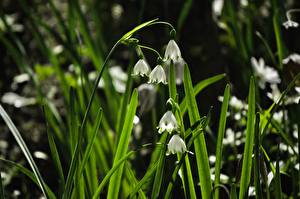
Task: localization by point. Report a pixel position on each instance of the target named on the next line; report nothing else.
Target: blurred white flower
(17, 100)
(244, 3)
(229, 137)
(116, 11)
(119, 78)
(292, 57)
(290, 24)
(297, 89)
(264, 73)
(172, 51)
(141, 68)
(167, 123)
(176, 145)
(275, 95)
(158, 75)
(234, 102)
(217, 7)
(147, 97)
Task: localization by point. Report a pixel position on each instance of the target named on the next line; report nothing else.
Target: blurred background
(214, 37)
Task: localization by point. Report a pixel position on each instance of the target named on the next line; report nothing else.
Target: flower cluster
(158, 74)
(168, 123)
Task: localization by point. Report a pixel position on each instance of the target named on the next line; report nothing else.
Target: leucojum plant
(181, 131)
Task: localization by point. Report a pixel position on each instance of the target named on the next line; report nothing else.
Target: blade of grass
(160, 168)
(183, 15)
(24, 149)
(110, 173)
(90, 145)
(199, 87)
(257, 183)
(200, 145)
(248, 150)
(221, 131)
(54, 152)
(279, 43)
(29, 174)
(187, 179)
(233, 194)
(149, 173)
(115, 181)
(278, 190)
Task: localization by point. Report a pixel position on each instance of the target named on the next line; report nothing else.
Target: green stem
(151, 49)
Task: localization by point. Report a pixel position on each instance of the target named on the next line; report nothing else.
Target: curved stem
(151, 49)
(288, 13)
(163, 22)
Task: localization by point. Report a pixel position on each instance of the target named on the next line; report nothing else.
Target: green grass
(95, 147)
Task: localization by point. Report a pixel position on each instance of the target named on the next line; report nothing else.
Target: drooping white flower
(167, 123)
(264, 73)
(290, 24)
(158, 75)
(292, 57)
(172, 51)
(141, 68)
(176, 145)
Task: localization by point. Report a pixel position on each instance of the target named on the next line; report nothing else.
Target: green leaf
(160, 168)
(149, 173)
(247, 156)
(221, 131)
(115, 181)
(137, 28)
(200, 145)
(24, 149)
(183, 14)
(278, 190)
(109, 174)
(29, 174)
(233, 194)
(54, 152)
(257, 182)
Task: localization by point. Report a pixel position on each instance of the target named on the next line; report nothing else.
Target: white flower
(275, 95)
(167, 123)
(141, 68)
(172, 51)
(290, 24)
(157, 75)
(292, 57)
(264, 73)
(176, 144)
(217, 7)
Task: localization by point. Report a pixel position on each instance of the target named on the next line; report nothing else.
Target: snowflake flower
(141, 68)
(172, 51)
(167, 123)
(290, 24)
(158, 75)
(176, 145)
